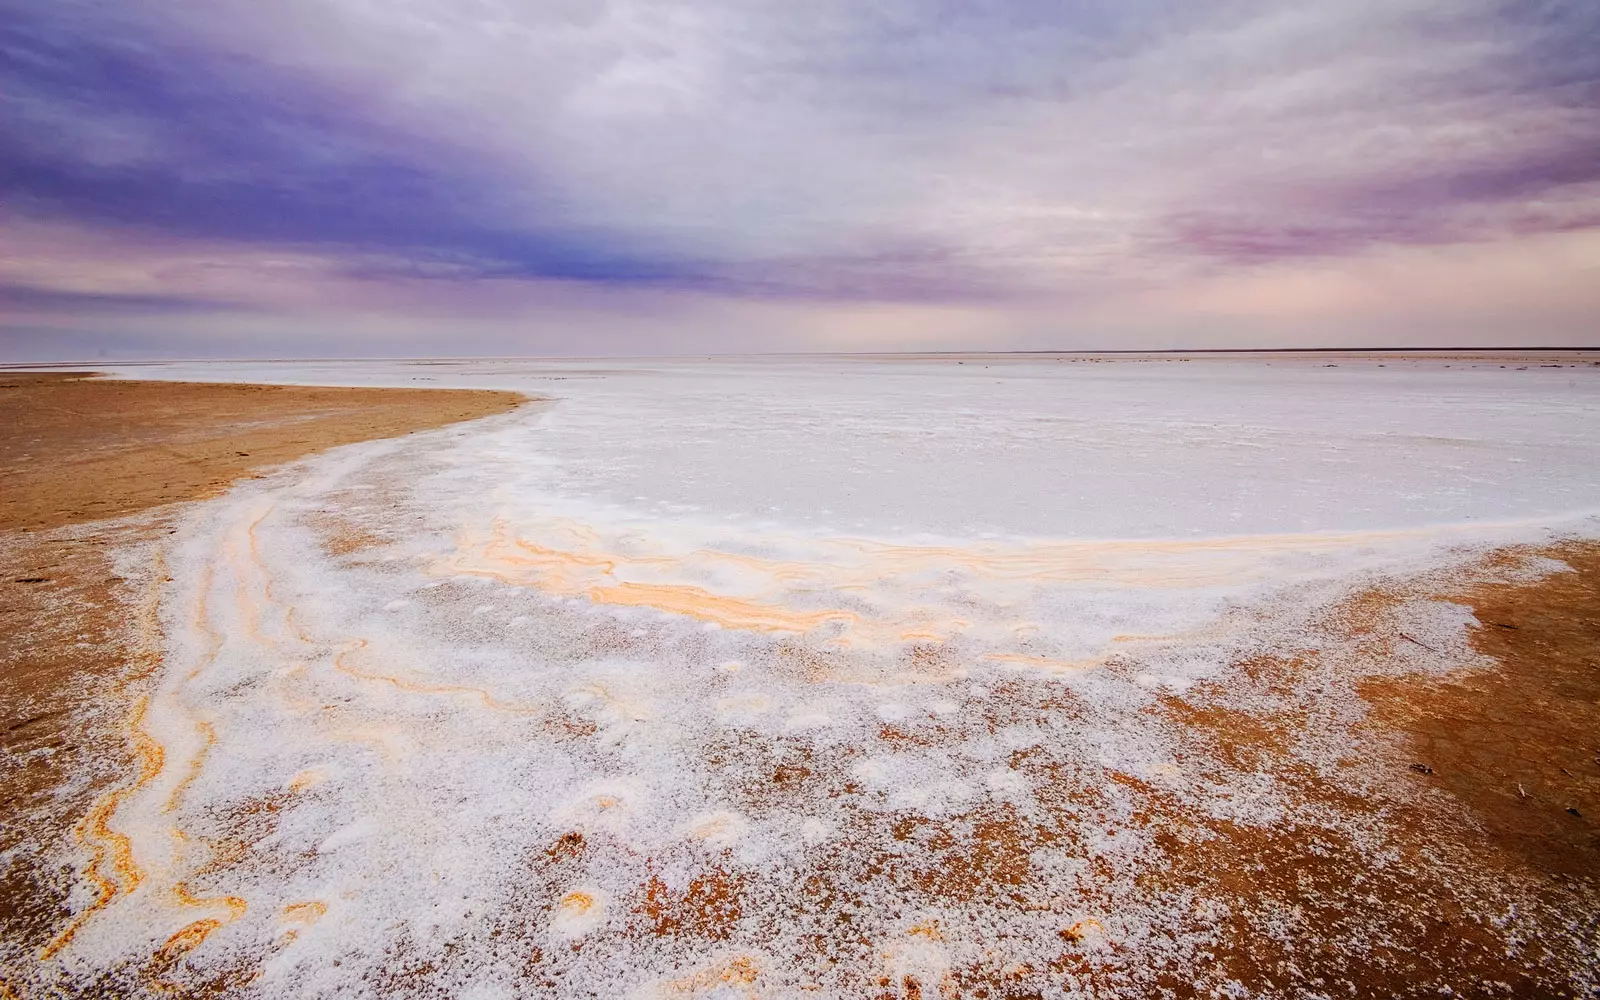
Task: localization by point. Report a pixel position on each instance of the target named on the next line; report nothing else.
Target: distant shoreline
(1496, 352)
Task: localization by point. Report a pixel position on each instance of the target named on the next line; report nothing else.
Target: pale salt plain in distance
(618, 613)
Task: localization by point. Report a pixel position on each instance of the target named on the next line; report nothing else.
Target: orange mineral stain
(728, 612)
(928, 929)
(1044, 663)
(301, 916)
(183, 942)
(1080, 930)
(576, 903)
(306, 779)
(109, 848)
(208, 736)
(737, 972)
(235, 905)
(489, 701)
(306, 913)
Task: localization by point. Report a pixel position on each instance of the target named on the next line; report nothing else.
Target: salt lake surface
(695, 676)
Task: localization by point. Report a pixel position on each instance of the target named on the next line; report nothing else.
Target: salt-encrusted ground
(840, 678)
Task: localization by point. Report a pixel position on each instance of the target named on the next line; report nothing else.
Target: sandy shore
(1497, 788)
(93, 469)
(79, 449)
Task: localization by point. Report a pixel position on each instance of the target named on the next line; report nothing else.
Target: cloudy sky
(446, 177)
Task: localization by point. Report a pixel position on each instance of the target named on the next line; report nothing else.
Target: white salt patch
(742, 708)
(578, 912)
(802, 721)
(353, 833)
(894, 712)
(703, 687)
(815, 831)
(717, 829)
(605, 807)
(1006, 782)
(872, 772)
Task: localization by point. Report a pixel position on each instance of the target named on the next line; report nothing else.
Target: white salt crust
(600, 633)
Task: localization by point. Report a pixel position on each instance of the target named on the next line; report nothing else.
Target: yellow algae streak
(208, 736)
(235, 905)
(1081, 930)
(107, 846)
(303, 916)
(192, 935)
(926, 632)
(574, 561)
(737, 972)
(728, 612)
(110, 848)
(180, 944)
(1044, 663)
(577, 902)
(489, 701)
(306, 913)
(595, 576)
(306, 779)
(562, 572)
(578, 913)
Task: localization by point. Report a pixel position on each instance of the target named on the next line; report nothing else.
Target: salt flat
(830, 676)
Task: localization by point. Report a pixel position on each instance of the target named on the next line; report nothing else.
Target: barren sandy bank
(77, 449)
(91, 467)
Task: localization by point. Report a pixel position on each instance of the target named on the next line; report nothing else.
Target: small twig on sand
(1418, 642)
(1521, 791)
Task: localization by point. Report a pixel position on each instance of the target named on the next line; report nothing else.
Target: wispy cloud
(924, 151)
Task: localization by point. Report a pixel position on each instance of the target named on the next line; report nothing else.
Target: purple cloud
(931, 152)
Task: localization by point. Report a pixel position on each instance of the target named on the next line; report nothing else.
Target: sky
(400, 178)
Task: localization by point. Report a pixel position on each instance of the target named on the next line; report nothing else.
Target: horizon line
(812, 354)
